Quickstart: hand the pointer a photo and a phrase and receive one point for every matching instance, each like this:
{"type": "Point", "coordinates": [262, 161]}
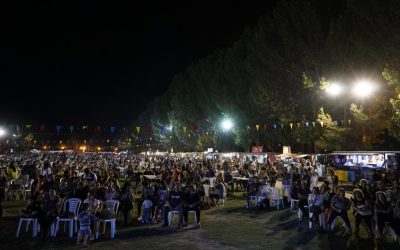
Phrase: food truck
{"type": "Point", "coordinates": [355, 165]}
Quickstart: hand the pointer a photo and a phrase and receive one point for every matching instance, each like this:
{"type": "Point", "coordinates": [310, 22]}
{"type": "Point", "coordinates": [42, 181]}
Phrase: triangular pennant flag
{"type": "Point", "coordinates": [298, 125]}
{"type": "Point", "coordinates": [71, 128]}
{"type": "Point", "coordinates": [17, 128]}
{"type": "Point", "coordinates": [274, 125]}
{"type": "Point", "coordinates": [149, 130]}
{"type": "Point", "coordinates": [162, 129]}
{"type": "Point", "coordinates": [85, 127]}
{"type": "Point", "coordinates": [265, 126]}
{"type": "Point", "coordinates": [257, 127]}
{"type": "Point", "coordinates": [138, 129]}
{"type": "Point", "coordinates": [184, 129]}
{"type": "Point", "coordinates": [207, 133]}
{"type": "Point", "coordinates": [189, 135]}
{"type": "Point", "coordinates": [28, 126]}
{"type": "Point", "coordinates": [349, 121]}
{"type": "Point", "coordinates": [112, 129]}
{"type": "Point", "coordinates": [291, 125]}
{"type": "Point", "coordinates": [58, 129]}
{"type": "Point", "coordinates": [42, 127]}
{"type": "Point", "coordinates": [313, 124]}
{"type": "Point", "coordinates": [322, 124]}
{"type": "Point", "coordinates": [307, 124]}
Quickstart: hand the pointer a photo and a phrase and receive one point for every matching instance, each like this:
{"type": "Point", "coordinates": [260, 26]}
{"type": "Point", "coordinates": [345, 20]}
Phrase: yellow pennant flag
{"type": "Point", "coordinates": [291, 125]}
{"type": "Point", "coordinates": [349, 121]}
{"type": "Point", "coordinates": [138, 130]}
{"type": "Point", "coordinates": [184, 129]}
{"type": "Point", "coordinates": [322, 124]}
{"type": "Point", "coordinates": [257, 127]}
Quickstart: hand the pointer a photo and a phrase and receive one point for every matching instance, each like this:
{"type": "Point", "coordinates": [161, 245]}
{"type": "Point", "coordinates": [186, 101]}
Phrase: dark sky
{"type": "Point", "coordinates": [104, 63]}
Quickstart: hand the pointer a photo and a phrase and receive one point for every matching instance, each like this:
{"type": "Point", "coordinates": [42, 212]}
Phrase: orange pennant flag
{"type": "Point", "coordinates": [298, 125]}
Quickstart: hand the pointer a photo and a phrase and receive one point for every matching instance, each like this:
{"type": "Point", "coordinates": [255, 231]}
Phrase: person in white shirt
{"type": "Point", "coordinates": [315, 201]}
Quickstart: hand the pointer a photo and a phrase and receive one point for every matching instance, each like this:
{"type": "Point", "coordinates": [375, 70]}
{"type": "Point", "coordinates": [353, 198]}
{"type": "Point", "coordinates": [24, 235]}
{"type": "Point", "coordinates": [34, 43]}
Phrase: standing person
{"type": "Point", "coordinates": [85, 218]}
{"type": "Point", "coordinates": [126, 201]}
{"type": "Point", "coordinates": [3, 186]}
{"type": "Point", "coordinates": [340, 205]}
{"type": "Point", "coordinates": [313, 179]}
{"type": "Point", "coordinates": [286, 183]}
{"type": "Point", "coordinates": [332, 178]}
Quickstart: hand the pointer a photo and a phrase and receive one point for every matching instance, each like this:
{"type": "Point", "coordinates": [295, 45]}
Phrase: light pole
{"type": "Point", "coordinates": [3, 133]}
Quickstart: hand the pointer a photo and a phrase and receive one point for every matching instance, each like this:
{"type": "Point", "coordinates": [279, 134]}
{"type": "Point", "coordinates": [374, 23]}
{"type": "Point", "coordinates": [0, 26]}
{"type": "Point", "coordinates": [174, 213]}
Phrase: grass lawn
{"type": "Point", "coordinates": [230, 227]}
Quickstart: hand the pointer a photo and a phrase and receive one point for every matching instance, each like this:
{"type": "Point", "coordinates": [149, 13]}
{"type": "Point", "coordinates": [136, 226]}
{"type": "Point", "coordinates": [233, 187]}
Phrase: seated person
{"type": "Point", "coordinates": [31, 210]}
{"type": "Point", "coordinates": [218, 192]}
{"type": "Point", "coordinates": [174, 203]}
{"type": "Point", "coordinates": [315, 203]}
{"type": "Point", "coordinates": [340, 205]}
{"type": "Point", "coordinates": [361, 210]}
{"type": "Point", "coordinates": [303, 193]}
{"type": "Point", "coordinates": [192, 200]}
{"type": "Point", "coordinates": [383, 212]}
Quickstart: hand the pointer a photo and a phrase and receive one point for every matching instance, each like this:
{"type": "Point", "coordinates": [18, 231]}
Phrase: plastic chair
{"type": "Point", "coordinates": [171, 215]}
{"type": "Point", "coordinates": [276, 199]}
{"type": "Point", "coordinates": [35, 226]}
{"type": "Point", "coordinates": [292, 203]}
{"type": "Point", "coordinates": [254, 199]}
{"type": "Point", "coordinates": [223, 201]}
{"type": "Point", "coordinates": [207, 193]}
{"type": "Point", "coordinates": [112, 205]}
{"type": "Point", "coordinates": [73, 207]}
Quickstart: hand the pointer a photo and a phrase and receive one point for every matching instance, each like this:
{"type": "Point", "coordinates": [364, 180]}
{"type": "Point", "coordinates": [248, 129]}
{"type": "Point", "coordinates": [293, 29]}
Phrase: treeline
{"type": "Point", "coordinates": [277, 73]}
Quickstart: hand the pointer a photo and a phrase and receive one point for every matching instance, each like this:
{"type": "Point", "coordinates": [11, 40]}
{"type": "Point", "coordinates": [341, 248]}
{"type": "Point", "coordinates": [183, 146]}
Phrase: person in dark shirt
{"type": "Point", "coordinates": [174, 203]}
{"type": "Point", "coordinates": [192, 200]}
{"type": "Point", "coordinates": [304, 191]}
{"type": "Point", "coordinates": [3, 186]}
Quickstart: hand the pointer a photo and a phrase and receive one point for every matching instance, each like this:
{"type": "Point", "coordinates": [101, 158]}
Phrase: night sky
{"type": "Point", "coordinates": [104, 63]}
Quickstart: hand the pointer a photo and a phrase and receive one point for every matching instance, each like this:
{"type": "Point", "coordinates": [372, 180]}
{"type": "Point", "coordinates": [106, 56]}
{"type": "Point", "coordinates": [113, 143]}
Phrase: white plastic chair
{"type": "Point", "coordinates": [223, 201]}
{"type": "Point", "coordinates": [73, 207]}
{"type": "Point", "coordinates": [292, 204]}
{"type": "Point", "coordinates": [113, 206]}
{"type": "Point", "coordinates": [35, 226]}
{"type": "Point", "coordinates": [276, 198]}
{"type": "Point", "coordinates": [171, 215]}
{"type": "Point", "coordinates": [207, 193]}
{"type": "Point", "coordinates": [253, 198]}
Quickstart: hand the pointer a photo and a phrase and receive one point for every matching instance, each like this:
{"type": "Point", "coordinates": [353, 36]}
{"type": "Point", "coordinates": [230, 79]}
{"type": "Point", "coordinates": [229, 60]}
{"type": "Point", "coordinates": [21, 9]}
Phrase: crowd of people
{"type": "Point", "coordinates": [157, 185]}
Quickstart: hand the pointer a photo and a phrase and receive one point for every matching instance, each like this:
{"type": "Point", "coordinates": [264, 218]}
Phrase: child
{"type": "Point", "coordinates": [84, 224]}
{"type": "Point", "coordinates": [147, 204]}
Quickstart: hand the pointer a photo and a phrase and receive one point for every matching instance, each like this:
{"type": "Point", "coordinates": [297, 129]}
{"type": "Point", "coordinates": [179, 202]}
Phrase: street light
{"type": "Point", "coordinates": [363, 88]}
{"type": "Point", "coordinates": [227, 124]}
{"type": "Point", "coordinates": [334, 89]}
{"type": "Point", "coordinates": [3, 132]}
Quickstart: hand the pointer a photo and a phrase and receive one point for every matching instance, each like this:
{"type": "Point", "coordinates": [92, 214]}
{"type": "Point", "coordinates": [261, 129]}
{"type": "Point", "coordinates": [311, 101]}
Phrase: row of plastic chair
{"type": "Point", "coordinates": [71, 206]}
